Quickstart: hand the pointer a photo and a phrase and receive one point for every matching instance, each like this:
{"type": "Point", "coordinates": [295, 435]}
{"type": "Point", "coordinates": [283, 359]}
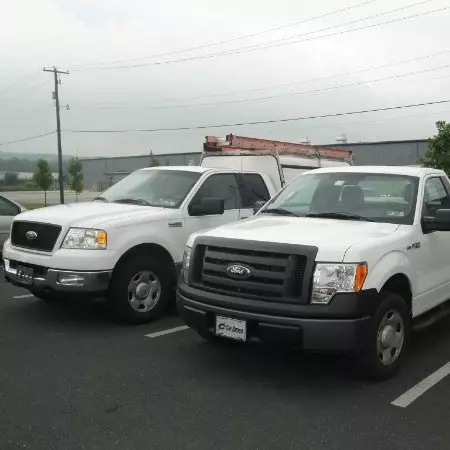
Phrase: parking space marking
{"type": "Point", "coordinates": [420, 388]}
{"type": "Point", "coordinates": [168, 331]}
{"type": "Point", "coordinates": [23, 296]}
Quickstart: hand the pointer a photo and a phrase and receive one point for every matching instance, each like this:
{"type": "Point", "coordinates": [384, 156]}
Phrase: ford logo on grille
{"type": "Point", "coordinates": [239, 271]}
{"type": "Point", "coordinates": [31, 235]}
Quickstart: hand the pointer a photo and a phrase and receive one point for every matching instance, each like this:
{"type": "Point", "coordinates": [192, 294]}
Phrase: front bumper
{"type": "Point", "coordinates": [57, 281]}
{"type": "Point", "coordinates": [341, 328]}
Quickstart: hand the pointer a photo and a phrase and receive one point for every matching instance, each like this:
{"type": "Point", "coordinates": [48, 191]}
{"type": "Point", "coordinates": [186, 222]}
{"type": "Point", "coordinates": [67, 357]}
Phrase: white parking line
{"type": "Point", "coordinates": [169, 331]}
{"type": "Point", "coordinates": [23, 296]}
{"type": "Point", "coordinates": [420, 388]}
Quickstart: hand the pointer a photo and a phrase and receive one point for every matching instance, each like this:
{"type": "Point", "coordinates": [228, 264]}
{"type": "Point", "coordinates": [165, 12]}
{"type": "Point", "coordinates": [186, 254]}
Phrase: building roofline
{"type": "Point", "coordinates": [97, 158]}
{"type": "Point", "coordinates": [348, 144]}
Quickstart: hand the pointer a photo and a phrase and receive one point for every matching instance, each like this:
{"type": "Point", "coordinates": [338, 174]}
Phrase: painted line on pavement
{"type": "Point", "coordinates": [420, 388]}
{"type": "Point", "coordinates": [164, 332]}
{"type": "Point", "coordinates": [23, 296]}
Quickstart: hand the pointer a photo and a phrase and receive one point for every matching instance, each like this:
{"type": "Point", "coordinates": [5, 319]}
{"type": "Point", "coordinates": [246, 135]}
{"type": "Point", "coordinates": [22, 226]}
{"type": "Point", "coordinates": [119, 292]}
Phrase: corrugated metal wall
{"type": "Point", "coordinates": [100, 172]}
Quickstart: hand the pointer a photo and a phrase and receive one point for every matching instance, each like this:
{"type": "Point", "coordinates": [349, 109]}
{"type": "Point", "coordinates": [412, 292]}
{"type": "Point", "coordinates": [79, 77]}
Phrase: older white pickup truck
{"type": "Point", "coordinates": [128, 244]}
{"type": "Point", "coordinates": [342, 259]}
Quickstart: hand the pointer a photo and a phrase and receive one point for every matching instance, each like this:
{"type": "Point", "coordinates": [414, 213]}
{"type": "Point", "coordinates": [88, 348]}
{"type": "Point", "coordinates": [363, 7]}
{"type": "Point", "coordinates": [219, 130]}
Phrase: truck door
{"type": "Point", "coordinates": [432, 258]}
{"type": "Point", "coordinates": [223, 185]}
{"type": "Point", "coordinates": [252, 188]}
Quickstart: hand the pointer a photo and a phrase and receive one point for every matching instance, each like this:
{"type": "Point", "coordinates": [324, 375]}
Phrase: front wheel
{"type": "Point", "coordinates": [387, 339]}
{"type": "Point", "coordinates": [140, 289]}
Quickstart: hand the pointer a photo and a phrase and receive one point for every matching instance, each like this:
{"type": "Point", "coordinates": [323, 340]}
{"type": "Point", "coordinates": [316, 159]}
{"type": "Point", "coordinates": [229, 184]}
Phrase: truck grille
{"type": "Point", "coordinates": [45, 238]}
{"type": "Point", "coordinates": [270, 276]}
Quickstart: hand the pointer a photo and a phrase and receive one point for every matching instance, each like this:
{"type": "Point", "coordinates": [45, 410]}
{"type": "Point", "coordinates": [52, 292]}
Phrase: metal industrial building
{"type": "Point", "coordinates": [100, 173]}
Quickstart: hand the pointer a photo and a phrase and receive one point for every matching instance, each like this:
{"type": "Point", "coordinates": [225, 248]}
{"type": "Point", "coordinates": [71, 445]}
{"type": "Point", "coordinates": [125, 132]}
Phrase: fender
{"type": "Point", "coordinates": [151, 235]}
{"type": "Point", "coordinates": [393, 263]}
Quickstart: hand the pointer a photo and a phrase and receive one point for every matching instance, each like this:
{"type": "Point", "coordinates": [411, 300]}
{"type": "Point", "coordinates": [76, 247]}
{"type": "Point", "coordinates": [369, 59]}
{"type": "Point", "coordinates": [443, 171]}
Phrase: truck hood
{"type": "Point", "coordinates": [332, 237]}
{"type": "Point", "coordinates": [92, 214]}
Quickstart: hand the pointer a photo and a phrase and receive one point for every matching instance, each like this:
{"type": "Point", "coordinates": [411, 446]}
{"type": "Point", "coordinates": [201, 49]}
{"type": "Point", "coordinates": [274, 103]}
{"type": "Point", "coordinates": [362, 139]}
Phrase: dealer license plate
{"type": "Point", "coordinates": [231, 328]}
{"type": "Point", "coordinates": [24, 275]}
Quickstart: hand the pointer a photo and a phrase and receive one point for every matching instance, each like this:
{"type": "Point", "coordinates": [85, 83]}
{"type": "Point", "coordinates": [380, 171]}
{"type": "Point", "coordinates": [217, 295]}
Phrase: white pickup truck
{"type": "Point", "coordinates": [128, 244]}
{"type": "Point", "coordinates": [341, 260]}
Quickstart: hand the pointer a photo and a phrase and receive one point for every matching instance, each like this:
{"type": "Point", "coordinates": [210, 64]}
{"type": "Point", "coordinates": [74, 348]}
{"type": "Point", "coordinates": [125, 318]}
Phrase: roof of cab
{"type": "Point", "coordinates": [413, 171]}
{"type": "Point", "coordinates": [198, 169]}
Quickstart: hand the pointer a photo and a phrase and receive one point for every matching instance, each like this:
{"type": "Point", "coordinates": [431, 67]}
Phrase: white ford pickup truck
{"type": "Point", "coordinates": [341, 260]}
{"type": "Point", "coordinates": [128, 244]}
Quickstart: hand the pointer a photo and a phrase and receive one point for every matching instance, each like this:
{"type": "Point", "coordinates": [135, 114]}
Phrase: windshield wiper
{"type": "Point", "coordinates": [280, 211]}
{"type": "Point", "coordinates": [339, 215]}
{"type": "Point", "coordinates": [103, 199]}
{"type": "Point", "coordinates": [132, 201]}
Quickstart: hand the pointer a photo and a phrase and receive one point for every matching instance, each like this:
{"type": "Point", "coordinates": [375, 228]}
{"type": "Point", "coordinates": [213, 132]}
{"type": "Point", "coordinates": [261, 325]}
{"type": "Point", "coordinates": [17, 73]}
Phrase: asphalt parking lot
{"type": "Point", "coordinates": [70, 378]}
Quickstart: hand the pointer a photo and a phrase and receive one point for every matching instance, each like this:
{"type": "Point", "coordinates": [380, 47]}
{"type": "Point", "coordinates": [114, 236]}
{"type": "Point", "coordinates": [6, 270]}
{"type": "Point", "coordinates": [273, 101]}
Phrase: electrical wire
{"type": "Point", "coordinates": [284, 95]}
{"type": "Point", "coordinates": [227, 41]}
{"type": "Point", "coordinates": [276, 43]}
{"type": "Point", "coordinates": [261, 122]}
{"type": "Point", "coordinates": [29, 138]}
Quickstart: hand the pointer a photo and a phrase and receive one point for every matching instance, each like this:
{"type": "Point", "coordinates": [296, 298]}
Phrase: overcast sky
{"type": "Point", "coordinates": [319, 75]}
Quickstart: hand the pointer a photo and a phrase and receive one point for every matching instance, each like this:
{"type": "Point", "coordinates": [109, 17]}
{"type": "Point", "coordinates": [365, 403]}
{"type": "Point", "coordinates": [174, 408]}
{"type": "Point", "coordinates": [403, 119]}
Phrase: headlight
{"type": "Point", "coordinates": [186, 264]}
{"type": "Point", "coordinates": [330, 279]}
{"type": "Point", "coordinates": [85, 239]}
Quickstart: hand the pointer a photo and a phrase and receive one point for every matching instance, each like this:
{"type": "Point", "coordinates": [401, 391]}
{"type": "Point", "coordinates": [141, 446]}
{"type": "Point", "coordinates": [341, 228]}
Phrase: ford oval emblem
{"type": "Point", "coordinates": [31, 235]}
{"type": "Point", "coordinates": [239, 271]}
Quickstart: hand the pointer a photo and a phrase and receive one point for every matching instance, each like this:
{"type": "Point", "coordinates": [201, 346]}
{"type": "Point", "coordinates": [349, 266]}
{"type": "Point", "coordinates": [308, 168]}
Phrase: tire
{"type": "Point", "coordinates": [140, 290]}
{"type": "Point", "coordinates": [387, 339]}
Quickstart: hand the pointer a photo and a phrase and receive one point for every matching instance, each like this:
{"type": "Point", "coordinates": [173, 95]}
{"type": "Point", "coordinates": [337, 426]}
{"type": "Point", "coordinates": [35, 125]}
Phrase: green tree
{"type": "Point", "coordinates": [11, 178]}
{"type": "Point", "coordinates": [43, 177]}
{"type": "Point", "coordinates": [438, 153]}
{"type": "Point", "coordinates": [76, 176]}
{"type": "Point", "coordinates": [153, 161]}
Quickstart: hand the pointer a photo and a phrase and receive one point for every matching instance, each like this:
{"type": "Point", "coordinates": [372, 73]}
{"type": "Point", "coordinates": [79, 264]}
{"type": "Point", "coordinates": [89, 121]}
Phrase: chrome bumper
{"type": "Point", "coordinates": [58, 281]}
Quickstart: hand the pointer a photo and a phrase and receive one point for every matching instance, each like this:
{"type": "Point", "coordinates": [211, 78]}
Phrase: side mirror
{"type": "Point", "coordinates": [258, 205]}
{"type": "Point", "coordinates": [439, 223]}
{"type": "Point", "coordinates": [208, 206]}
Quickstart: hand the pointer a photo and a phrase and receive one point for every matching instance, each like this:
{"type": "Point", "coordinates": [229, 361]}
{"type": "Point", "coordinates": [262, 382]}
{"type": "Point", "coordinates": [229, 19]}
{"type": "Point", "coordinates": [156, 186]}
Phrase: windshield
{"type": "Point", "coordinates": [349, 196]}
{"type": "Point", "coordinates": [165, 188]}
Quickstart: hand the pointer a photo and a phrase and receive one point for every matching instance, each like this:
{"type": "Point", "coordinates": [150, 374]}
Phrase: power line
{"type": "Point", "coordinates": [289, 94]}
{"type": "Point", "coordinates": [276, 86]}
{"type": "Point", "coordinates": [277, 43]}
{"type": "Point", "coordinates": [29, 138]}
{"type": "Point", "coordinates": [21, 81]}
{"type": "Point", "coordinates": [227, 41]}
{"type": "Point", "coordinates": [261, 122]}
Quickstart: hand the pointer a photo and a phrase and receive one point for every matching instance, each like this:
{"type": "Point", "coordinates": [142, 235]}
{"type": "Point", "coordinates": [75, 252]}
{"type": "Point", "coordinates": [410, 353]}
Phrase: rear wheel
{"type": "Point", "coordinates": [140, 289]}
{"type": "Point", "coordinates": [387, 339]}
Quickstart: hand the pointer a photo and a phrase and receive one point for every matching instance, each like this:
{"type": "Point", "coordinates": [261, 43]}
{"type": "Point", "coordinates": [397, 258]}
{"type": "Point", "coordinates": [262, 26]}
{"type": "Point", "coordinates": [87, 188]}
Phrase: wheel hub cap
{"type": "Point", "coordinates": [144, 291]}
{"type": "Point", "coordinates": [390, 338]}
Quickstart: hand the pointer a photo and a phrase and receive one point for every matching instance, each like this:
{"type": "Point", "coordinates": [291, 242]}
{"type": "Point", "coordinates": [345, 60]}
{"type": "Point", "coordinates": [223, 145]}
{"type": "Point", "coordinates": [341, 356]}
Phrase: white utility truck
{"type": "Point", "coordinates": [342, 260]}
{"type": "Point", "coordinates": [128, 243]}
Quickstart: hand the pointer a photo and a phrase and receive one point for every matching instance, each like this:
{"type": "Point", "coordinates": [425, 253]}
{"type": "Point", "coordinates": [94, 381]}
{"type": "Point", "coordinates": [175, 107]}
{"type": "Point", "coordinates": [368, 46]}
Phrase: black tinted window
{"type": "Point", "coordinates": [252, 189]}
{"type": "Point", "coordinates": [435, 196]}
{"type": "Point", "coordinates": [220, 186]}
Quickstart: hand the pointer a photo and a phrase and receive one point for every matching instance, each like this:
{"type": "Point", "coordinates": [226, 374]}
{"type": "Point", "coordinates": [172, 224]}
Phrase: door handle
{"type": "Point", "coordinates": [242, 218]}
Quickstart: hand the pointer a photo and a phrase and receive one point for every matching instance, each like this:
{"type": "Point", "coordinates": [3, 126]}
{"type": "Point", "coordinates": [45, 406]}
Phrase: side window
{"type": "Point", "coordinates": [220, 186]}
{"type": "Point", "coordinates": [252, 189]}
{"type": "Point", "coordinates": [7, 208]}
{"type": "Point", "coordinates": [435, 196]}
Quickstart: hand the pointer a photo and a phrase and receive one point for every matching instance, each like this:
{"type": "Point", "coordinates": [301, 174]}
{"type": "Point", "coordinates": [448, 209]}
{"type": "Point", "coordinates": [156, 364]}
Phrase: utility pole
{"type": "Point", "coordinates": [56, 72]}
